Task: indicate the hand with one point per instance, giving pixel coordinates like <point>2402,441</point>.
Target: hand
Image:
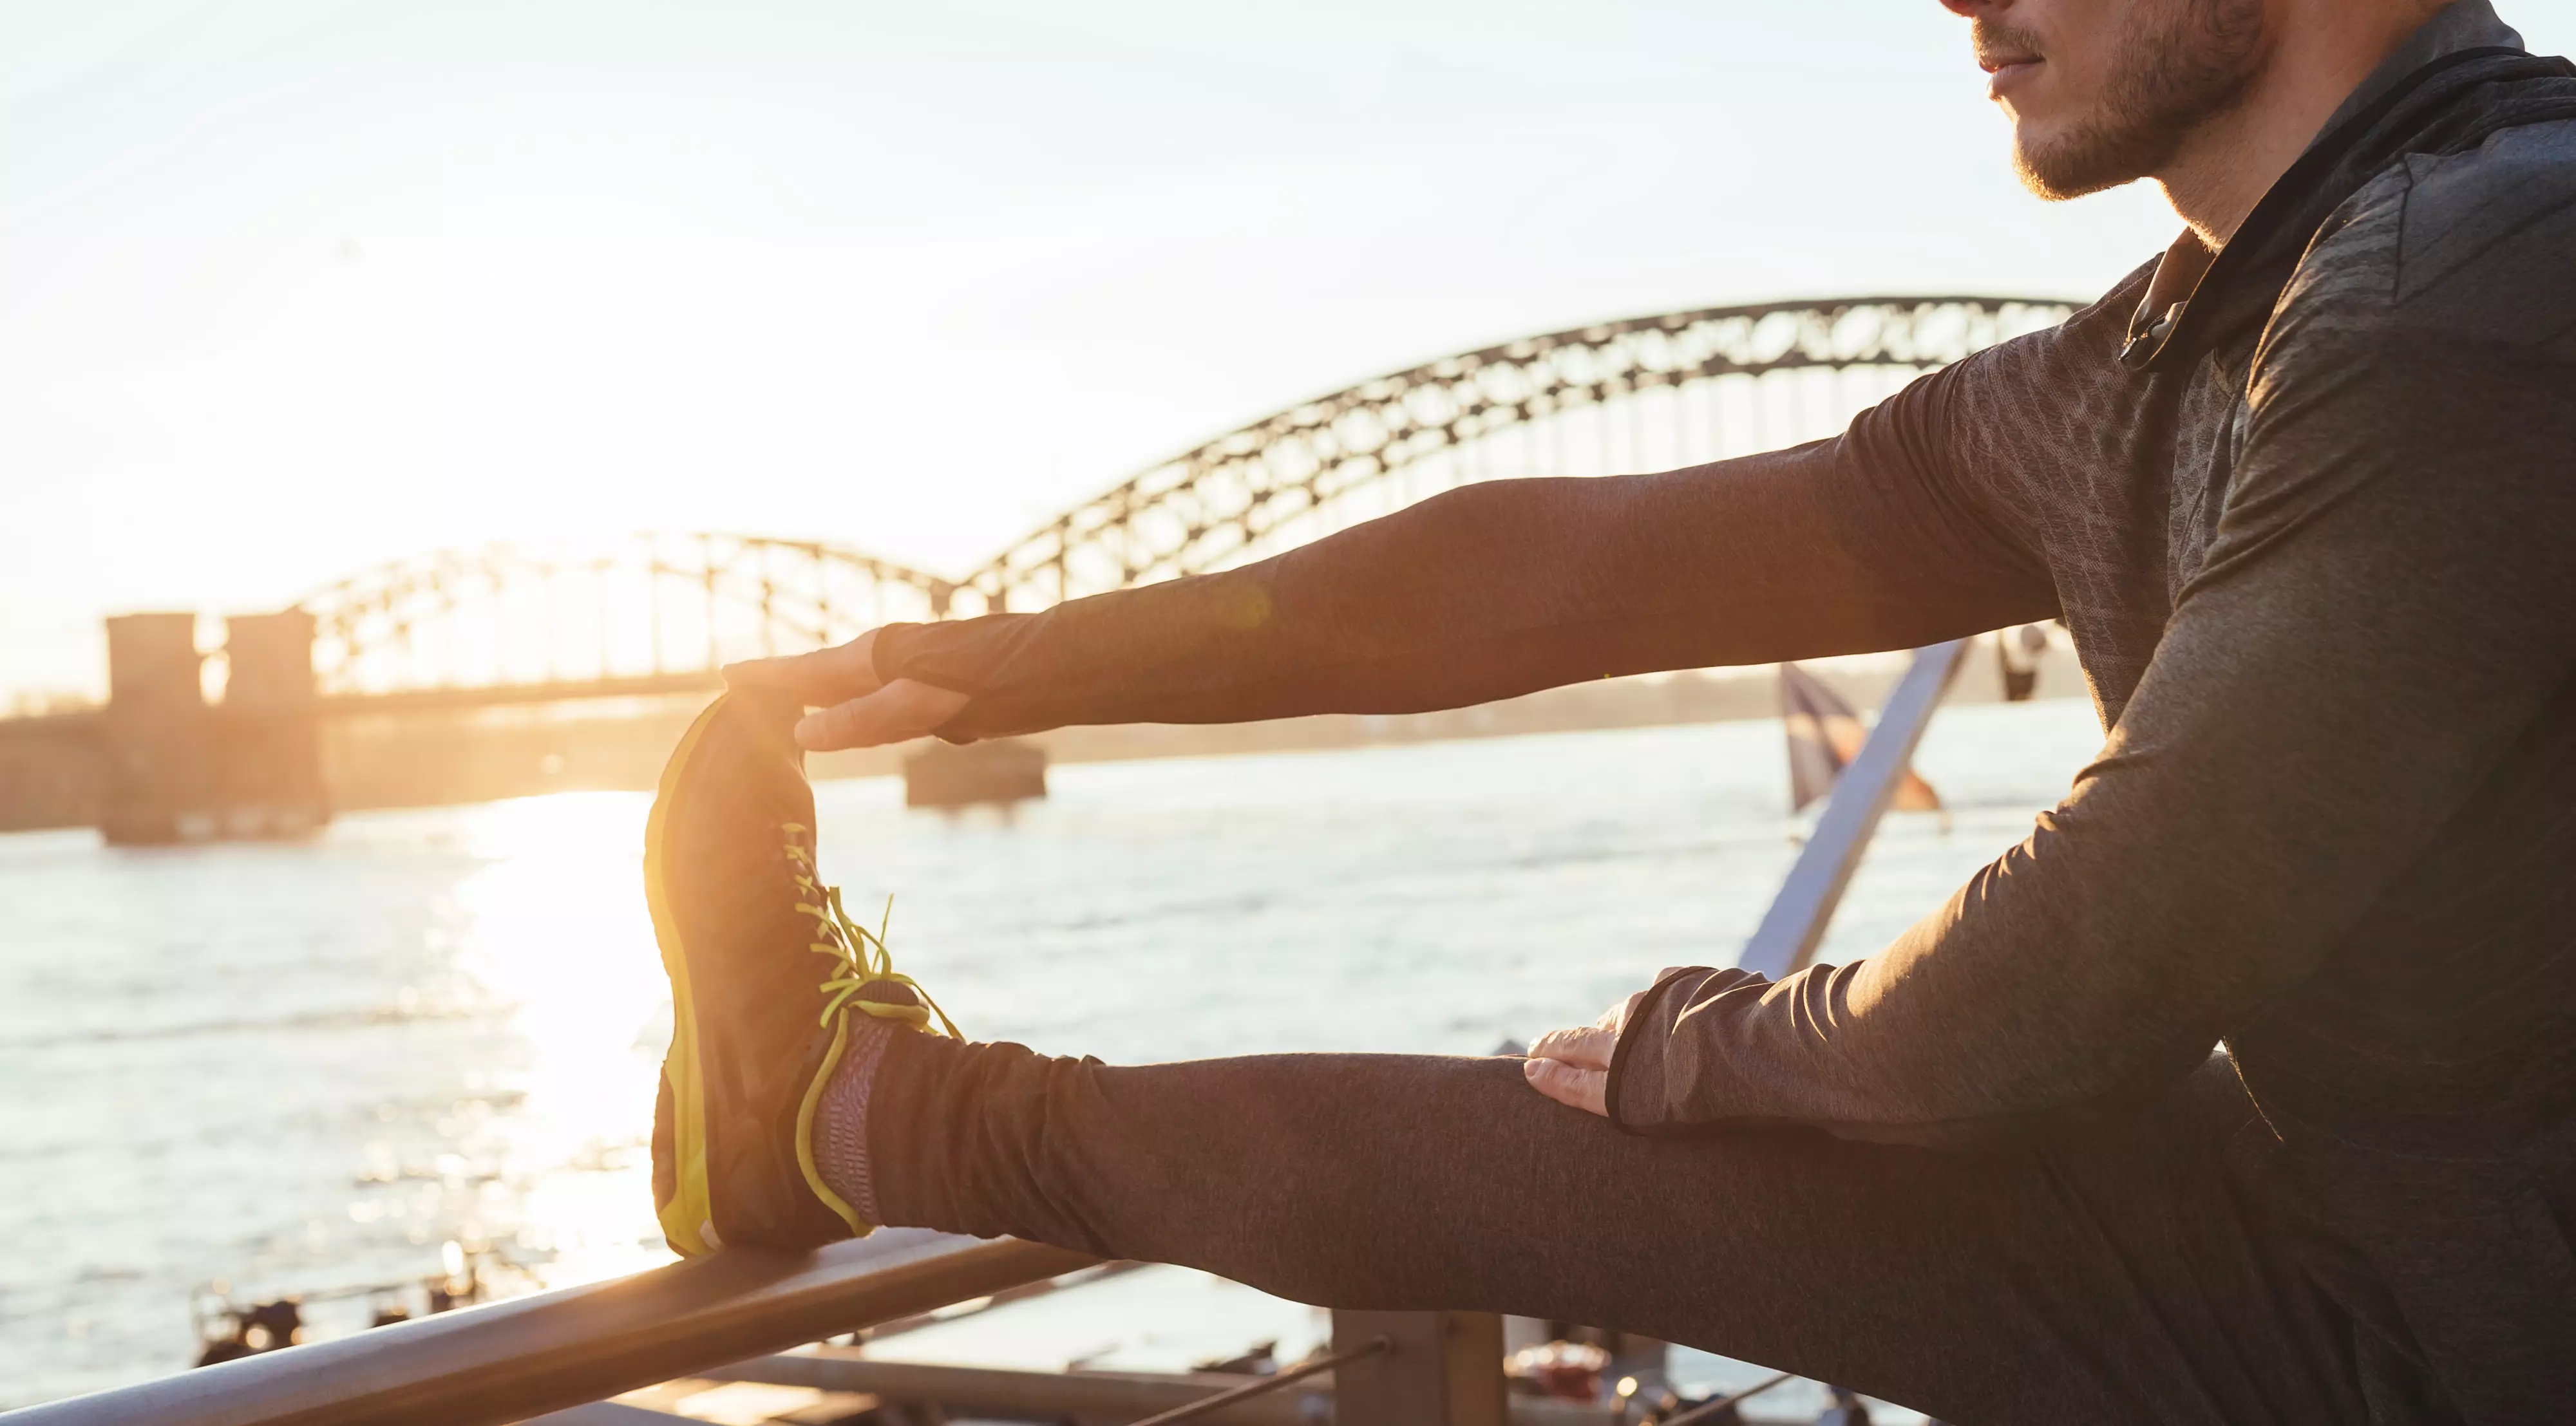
<point>1573,1066</point>
<point>859,711</point>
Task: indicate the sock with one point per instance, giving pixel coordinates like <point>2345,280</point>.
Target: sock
<point>841,1119</point>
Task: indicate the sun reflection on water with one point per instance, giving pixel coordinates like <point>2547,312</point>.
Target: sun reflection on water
<point>556,935</point>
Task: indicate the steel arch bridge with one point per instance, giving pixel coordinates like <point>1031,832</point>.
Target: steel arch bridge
<point>640,614</point>
<point>1647,393</point>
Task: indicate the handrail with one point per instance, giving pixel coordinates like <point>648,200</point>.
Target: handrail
<point>1715,1409</point>
<point>1023,1394</point>
<point>507,1361</point>
<point>1007,1393</point>
<point>1264,1386</point>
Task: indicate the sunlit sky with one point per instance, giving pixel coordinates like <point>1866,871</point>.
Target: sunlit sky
<point>288,288</point>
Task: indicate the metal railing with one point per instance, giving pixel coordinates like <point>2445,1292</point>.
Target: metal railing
<point>510,1360</point>
<point>553,1358</point>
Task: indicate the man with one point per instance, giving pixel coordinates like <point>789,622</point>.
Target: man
<point>2304,491</point>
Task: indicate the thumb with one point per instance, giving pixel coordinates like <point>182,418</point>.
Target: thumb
<point>900,711</point>
<point>1572,1085</point>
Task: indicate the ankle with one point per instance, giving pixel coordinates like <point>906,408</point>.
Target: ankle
<point>841,1118</point>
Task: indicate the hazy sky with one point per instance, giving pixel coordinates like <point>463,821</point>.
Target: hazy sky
<point>288,288</point>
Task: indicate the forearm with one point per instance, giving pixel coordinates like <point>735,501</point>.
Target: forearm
<point>1507,587</point>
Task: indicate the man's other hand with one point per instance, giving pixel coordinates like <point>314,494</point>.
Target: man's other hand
<point>858,711</point>
<point>1573,1066</point>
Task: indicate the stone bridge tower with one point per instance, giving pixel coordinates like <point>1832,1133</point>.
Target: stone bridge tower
<point>177,768</point>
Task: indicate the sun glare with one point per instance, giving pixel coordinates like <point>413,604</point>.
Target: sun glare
<point>557,932</point>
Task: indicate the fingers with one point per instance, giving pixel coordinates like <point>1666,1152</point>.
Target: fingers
<point>1587,1047</point>
<point>899,712</point>
<point>1584,1089</point>
<point>1616,1018</point>
<point>825,676</point>
<point>1573,1066</point>
<point>859,711</point>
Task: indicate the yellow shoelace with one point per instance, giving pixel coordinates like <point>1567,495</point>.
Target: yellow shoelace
<point>859,955</point>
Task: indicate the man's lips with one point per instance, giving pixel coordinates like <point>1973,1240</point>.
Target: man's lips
<point>2007,68</point>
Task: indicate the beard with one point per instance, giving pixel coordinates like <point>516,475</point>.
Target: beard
<point>2177,64</point>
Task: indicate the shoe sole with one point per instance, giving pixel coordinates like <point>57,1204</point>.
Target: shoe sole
<point>688,1219</point>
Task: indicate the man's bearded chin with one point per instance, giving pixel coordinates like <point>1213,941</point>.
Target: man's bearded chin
<point>2179,64</point>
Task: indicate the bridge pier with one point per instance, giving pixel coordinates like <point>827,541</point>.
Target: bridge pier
<point>158,733</point>
<point>945,775</point>
<point>269,753</point>
<point>177,768</point>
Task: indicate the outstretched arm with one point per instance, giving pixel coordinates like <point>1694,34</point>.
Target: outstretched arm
<point>1864,542</point>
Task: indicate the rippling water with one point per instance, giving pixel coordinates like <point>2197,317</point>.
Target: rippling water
<point>301,1067</point>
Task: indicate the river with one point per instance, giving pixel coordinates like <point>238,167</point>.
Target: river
<point>299,1067</point>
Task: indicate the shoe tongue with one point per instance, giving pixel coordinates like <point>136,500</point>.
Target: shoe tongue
<point>889,992</point>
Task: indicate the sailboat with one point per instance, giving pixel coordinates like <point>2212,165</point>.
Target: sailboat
<point>1824,736</point>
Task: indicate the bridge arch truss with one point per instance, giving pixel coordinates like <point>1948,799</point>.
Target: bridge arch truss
<point>1648,393</point>
<point>644,608</point>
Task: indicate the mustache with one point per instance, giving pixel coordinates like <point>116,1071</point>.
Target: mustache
<point>1998,43</point>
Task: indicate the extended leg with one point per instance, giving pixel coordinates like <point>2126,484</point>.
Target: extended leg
<point>2121,1276</point>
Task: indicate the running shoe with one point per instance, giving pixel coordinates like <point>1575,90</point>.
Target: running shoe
<point>767,972</point>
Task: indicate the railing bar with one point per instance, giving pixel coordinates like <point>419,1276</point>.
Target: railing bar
<point>1707,1409</point>
<point>1269,1384</point>
<point>1009,1394</point>
<point>942,1316</point>
<point>605,1413</point>
<point>521,1357</point>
